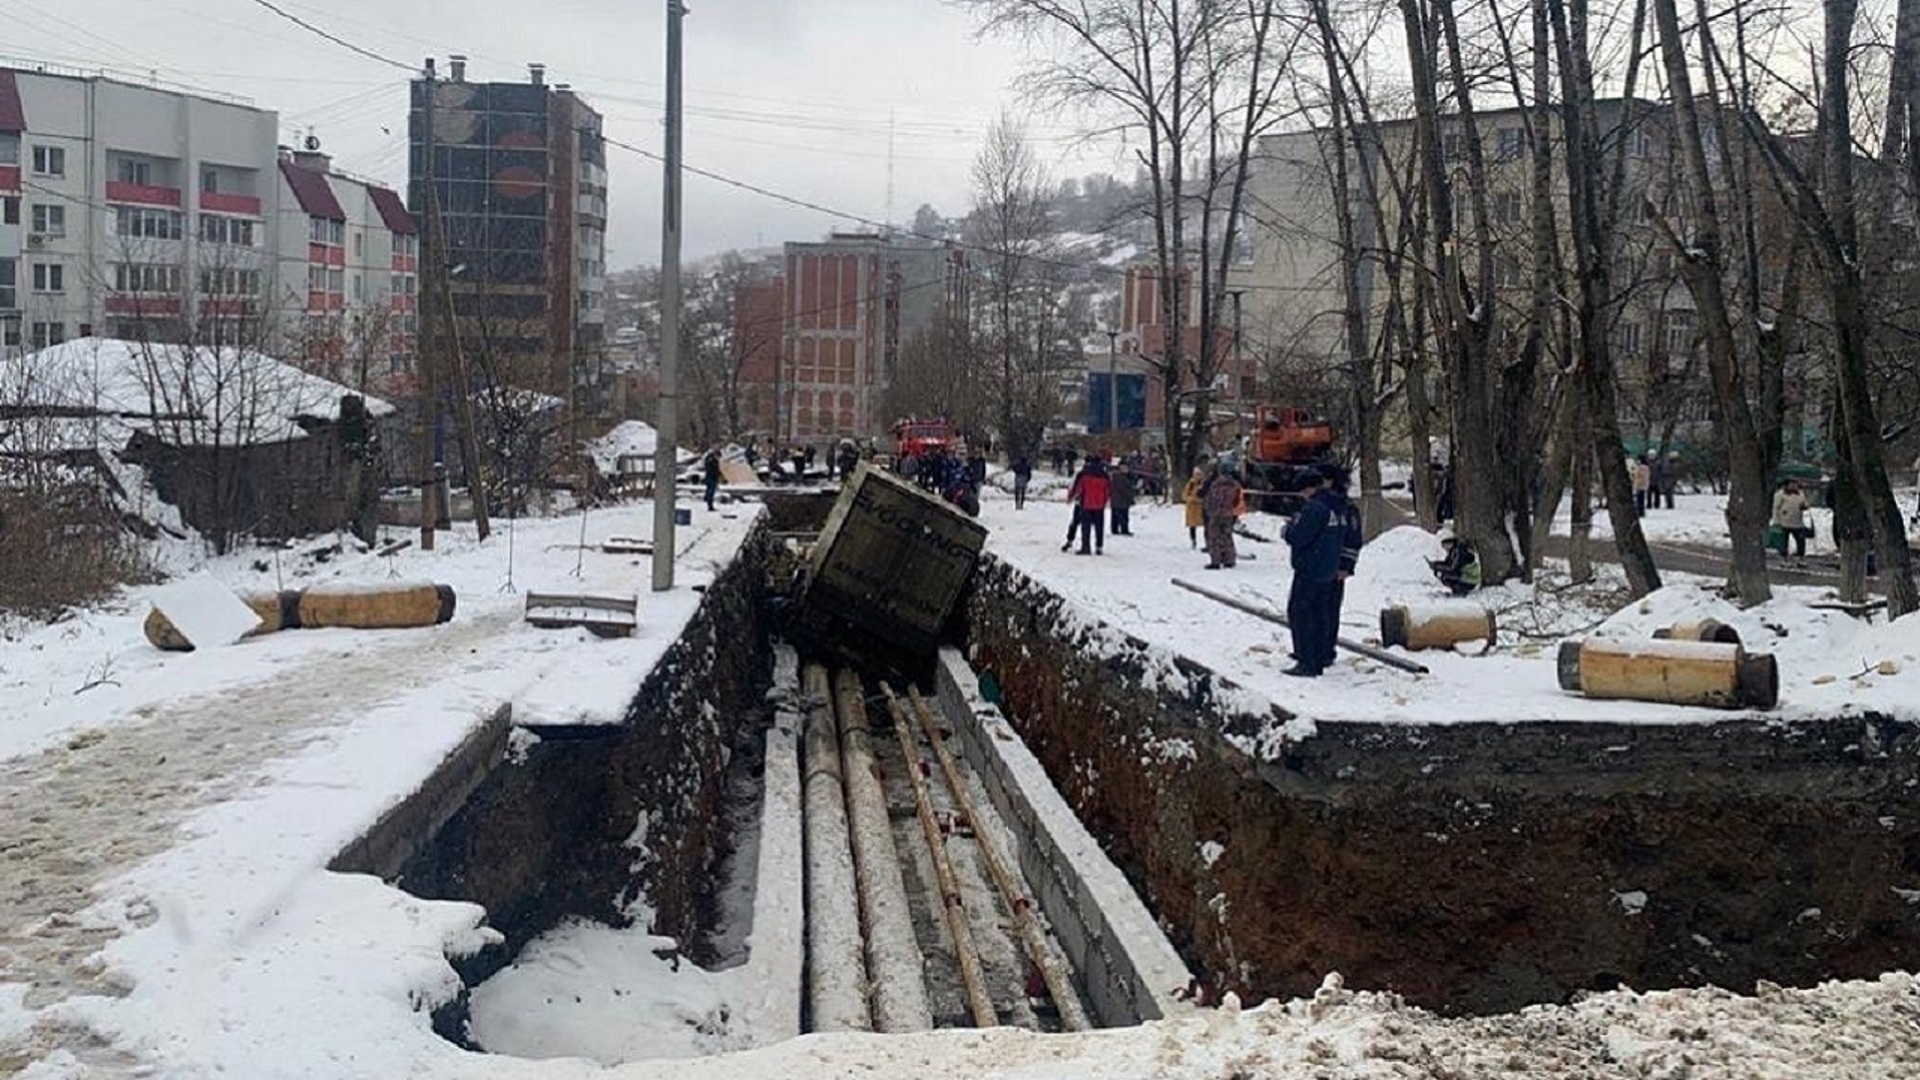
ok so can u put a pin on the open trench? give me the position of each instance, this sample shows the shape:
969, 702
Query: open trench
760, 813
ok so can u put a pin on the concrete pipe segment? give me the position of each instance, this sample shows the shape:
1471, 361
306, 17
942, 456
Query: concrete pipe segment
1673, 672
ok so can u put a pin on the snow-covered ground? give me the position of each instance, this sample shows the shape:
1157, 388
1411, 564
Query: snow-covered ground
1701, 520
165, 821
1821, 653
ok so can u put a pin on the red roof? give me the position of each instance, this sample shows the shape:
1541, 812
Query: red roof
313, 192
392, 212
13, 118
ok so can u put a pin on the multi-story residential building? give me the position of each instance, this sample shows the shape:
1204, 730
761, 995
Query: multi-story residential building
519, 186
145, 213
348, 274
1295, 304
115, 196
848, 303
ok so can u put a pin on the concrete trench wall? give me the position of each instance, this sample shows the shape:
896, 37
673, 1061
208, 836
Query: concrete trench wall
1126, 970
585, 819
1473, 868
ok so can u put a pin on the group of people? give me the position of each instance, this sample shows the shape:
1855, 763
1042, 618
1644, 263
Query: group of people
1652, 484
1096, 495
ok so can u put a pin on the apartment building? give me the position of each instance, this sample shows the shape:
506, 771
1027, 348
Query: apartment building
848, 303
519, 184
148, 213
348, 279
114, 194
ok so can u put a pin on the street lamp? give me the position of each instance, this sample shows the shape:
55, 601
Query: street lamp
1113, 383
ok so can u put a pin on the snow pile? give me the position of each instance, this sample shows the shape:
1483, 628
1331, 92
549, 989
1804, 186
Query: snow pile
610, 995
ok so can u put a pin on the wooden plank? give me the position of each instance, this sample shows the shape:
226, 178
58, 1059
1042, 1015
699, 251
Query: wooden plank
1257, 612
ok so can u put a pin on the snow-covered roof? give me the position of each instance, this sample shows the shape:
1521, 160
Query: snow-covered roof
181, 394
635, 437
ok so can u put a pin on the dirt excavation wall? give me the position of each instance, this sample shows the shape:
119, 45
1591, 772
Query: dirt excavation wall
1472, 868
584, 820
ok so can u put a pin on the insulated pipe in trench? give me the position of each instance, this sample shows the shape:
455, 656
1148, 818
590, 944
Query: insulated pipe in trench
973, 978
836, 967
894, 962
1073, 1016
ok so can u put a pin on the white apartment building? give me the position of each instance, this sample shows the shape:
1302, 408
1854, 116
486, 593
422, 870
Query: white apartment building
348, 274
140, 212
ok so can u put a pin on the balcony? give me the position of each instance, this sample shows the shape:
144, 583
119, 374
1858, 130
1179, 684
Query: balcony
119, 191
221, 203
9, 178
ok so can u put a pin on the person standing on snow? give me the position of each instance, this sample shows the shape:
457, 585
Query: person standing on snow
1089, 494
1121, 500
1315, 538
1344, 517
1642, 475
710, 473
1190, 498
1220, 497
1022, 476
1790, 517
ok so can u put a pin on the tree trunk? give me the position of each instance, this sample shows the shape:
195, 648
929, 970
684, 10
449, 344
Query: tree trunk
1852, 532
1701, 263
1859, 418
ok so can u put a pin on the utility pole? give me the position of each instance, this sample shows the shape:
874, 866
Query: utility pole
434, 256
665, 456
1113, 383
1234, 381
427, 416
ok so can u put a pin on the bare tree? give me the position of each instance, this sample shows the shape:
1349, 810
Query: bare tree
1013, 222
1196, 82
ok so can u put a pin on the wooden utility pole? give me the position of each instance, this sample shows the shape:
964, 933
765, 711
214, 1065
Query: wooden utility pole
434, 256
427, 415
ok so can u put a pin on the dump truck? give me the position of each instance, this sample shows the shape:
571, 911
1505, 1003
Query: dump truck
1281, 455
885, 574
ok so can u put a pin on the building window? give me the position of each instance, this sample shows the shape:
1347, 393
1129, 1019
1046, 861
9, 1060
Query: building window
9, 284
323, 231
210, 180
139, 173
359, 244
146, 222
1506, 272
1508, 143
1679, 333
10, 333
1630, 339
1506, 207
146, 278
49, 278
9, 149
10, 210
49, 161
316, 279
230, 282
49, 220
218, 229
356, 284
48, 334
336, 281
406, 245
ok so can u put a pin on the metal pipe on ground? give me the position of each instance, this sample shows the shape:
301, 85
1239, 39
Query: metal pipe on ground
973, 979
1073, 1015
836, 966
1259, 612
894, 963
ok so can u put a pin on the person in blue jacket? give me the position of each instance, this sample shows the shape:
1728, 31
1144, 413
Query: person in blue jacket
1318, 538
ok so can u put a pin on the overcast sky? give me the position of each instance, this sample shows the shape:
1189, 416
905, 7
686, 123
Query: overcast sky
792, 95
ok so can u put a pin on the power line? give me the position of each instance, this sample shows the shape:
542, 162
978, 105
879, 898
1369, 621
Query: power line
340, 41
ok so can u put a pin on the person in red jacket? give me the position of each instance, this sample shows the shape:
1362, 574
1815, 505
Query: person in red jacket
1089, 494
